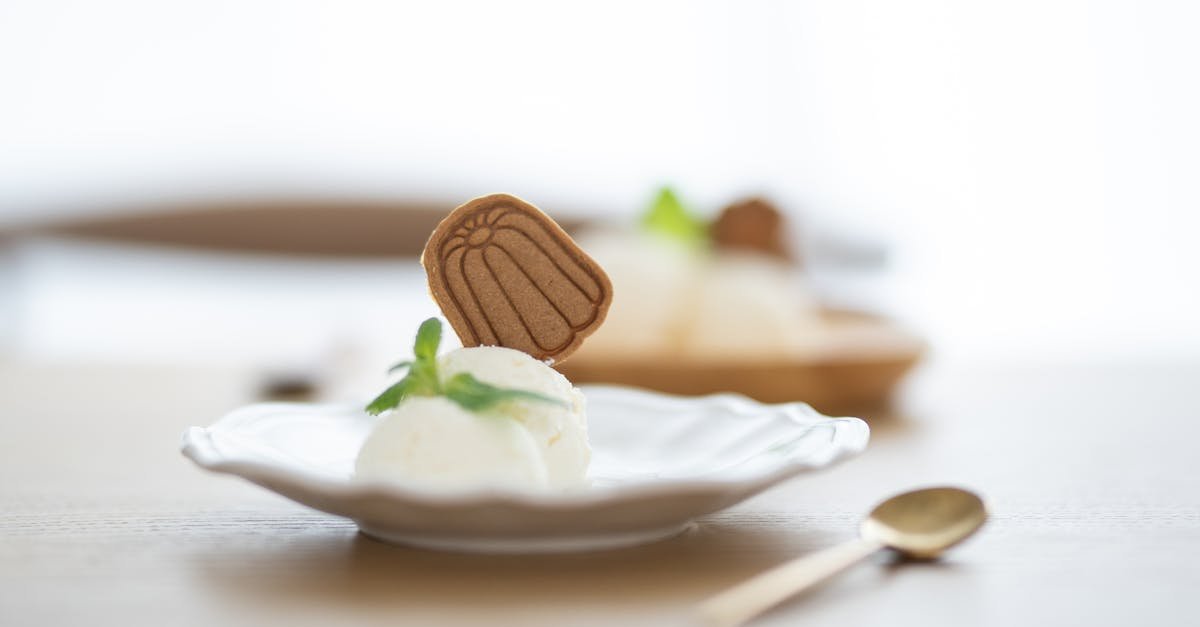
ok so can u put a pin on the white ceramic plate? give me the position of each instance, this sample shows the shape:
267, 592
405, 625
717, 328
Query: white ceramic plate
658, 462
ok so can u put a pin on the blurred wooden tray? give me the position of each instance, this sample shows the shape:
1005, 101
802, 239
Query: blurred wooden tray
854, 368
348, 227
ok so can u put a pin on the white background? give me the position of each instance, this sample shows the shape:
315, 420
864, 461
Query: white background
1033, 165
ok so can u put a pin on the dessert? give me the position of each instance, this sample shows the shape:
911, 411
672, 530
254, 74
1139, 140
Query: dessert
487, 416
493, 414
691, 291
724, 306
753, 225
506, 275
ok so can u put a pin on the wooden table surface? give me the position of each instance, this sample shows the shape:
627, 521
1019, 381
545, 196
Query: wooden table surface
1091, 471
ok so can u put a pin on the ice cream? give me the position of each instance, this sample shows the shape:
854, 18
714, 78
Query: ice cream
657, 281
749, 307
434, 442
677, 302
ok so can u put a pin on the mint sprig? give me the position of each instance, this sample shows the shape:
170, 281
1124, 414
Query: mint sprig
475, 395
668, 216
422, 379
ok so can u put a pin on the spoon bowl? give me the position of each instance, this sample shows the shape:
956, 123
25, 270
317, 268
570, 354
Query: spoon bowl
921, 524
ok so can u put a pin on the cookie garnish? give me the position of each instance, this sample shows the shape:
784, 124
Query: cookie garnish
753, 225
505, 274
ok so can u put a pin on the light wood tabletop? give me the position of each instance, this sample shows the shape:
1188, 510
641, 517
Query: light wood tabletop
1090, 471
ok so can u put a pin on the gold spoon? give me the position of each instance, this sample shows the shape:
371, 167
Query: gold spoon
918, 524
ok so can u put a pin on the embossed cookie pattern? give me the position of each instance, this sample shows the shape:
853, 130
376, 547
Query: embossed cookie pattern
505, 274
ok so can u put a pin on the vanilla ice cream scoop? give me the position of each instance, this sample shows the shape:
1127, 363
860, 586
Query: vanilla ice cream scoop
432, 441
676, 302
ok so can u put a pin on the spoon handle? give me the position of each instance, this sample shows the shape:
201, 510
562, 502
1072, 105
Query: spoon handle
758, 594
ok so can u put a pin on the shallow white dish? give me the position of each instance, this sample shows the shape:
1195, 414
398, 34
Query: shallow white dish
658, 462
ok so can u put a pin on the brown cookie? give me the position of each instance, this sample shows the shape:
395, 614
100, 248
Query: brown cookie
505, 274
752, 225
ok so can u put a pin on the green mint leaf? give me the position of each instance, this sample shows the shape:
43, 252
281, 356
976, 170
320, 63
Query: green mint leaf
474, 395
424, 370
391, 397
668, 216
422, 377
422, 380
428, 338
